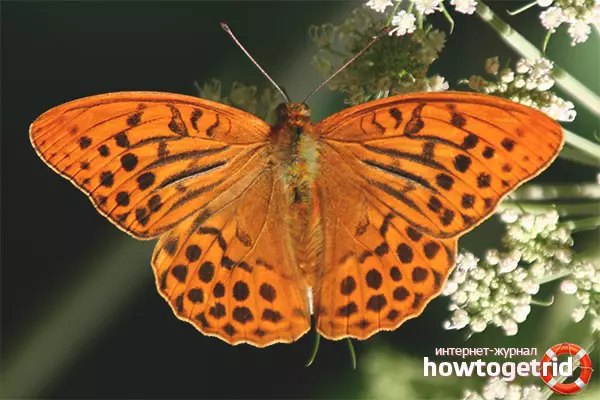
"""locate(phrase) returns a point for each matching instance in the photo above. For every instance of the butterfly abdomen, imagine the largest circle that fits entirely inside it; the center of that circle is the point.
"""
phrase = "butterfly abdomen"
(296, 153)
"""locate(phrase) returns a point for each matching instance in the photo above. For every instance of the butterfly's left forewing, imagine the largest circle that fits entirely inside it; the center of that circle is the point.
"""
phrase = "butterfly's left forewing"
(400, 180)
(147, 160)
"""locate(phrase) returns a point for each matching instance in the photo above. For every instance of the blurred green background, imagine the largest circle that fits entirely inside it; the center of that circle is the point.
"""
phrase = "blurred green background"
(81, 316)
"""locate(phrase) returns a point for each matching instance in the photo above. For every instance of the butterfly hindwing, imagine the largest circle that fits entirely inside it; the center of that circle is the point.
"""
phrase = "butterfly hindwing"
(229, 270)
(145, 159)
(377, 270)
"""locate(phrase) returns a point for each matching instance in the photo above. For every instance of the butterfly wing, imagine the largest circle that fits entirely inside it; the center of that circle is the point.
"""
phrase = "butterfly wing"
(200, 173)
(415, 172)
(148, 160)
(228, 270)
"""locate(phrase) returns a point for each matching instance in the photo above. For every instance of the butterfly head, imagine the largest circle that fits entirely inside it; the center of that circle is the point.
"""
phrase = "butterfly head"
(294, 114)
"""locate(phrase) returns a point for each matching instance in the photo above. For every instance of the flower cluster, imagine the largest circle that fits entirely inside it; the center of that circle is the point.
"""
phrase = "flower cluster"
(578, 14)
(497, 291)
(584, 284)
(497, 388)
(394, 65)
(494, 291)
(425, 7)
(539, 240)
(244, 97)
(528, 83)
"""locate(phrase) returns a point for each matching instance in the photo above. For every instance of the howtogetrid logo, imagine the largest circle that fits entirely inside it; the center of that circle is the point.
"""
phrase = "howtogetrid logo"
(549, 370)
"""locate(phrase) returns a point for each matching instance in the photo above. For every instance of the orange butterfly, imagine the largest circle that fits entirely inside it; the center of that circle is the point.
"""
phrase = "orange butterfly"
(360, 212)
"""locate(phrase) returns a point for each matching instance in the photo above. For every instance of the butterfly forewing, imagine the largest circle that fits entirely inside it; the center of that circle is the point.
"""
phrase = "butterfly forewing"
(148, 160)
(400, 179)
(442, 160)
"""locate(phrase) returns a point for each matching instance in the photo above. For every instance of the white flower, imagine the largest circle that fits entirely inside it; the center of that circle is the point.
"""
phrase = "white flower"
(541, 68)
(404, 23)
(460, 319)
(379, 5)
(509, 264)
(579, 31)
(466, 261)
(523, 66)
(472, 396)
(578, 314)
(596, 324)
(552, 18)
(492, 257)
(510, 327)
(478, 325)
(531, 287)
(568, 287)
(509, 216)
(464, 6)
(544, 3)
(519, 83)
(521, 312)
(496, 388)
(545, 83)
(507, 76)
(527, 221)
(427, 6)
(560, 110)
(450, 288)
(438, 83)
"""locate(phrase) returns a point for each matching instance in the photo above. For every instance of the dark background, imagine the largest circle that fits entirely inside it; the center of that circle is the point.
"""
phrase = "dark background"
(78, 320)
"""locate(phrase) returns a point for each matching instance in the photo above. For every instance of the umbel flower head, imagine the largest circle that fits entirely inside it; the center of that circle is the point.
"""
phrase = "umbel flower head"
(396, 64)
(584, 284)
(498, 290)
(528, 83)
(580, 15)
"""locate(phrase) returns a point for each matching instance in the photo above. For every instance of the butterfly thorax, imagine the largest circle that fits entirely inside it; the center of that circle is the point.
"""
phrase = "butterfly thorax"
(296, 155)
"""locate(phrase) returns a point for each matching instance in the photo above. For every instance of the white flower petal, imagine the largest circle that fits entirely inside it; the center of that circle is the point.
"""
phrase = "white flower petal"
(379, 5)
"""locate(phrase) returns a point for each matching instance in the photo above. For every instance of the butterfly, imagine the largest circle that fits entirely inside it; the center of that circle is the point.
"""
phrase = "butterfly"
(354, 219)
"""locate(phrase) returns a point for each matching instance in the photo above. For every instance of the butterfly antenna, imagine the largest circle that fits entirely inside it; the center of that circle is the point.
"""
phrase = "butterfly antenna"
(384, 31)
(226, 29)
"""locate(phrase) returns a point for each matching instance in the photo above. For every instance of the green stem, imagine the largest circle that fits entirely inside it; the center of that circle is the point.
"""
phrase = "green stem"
(576, 89)
(546, 41)
(554, 277)
(581, 224)
(584, 209)
(392, 13)
(557, 191)
(586, 146)
(313, 354)
(448, 17)
(521, 9)
(572, 154)
(352, 353)
(541, 303)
